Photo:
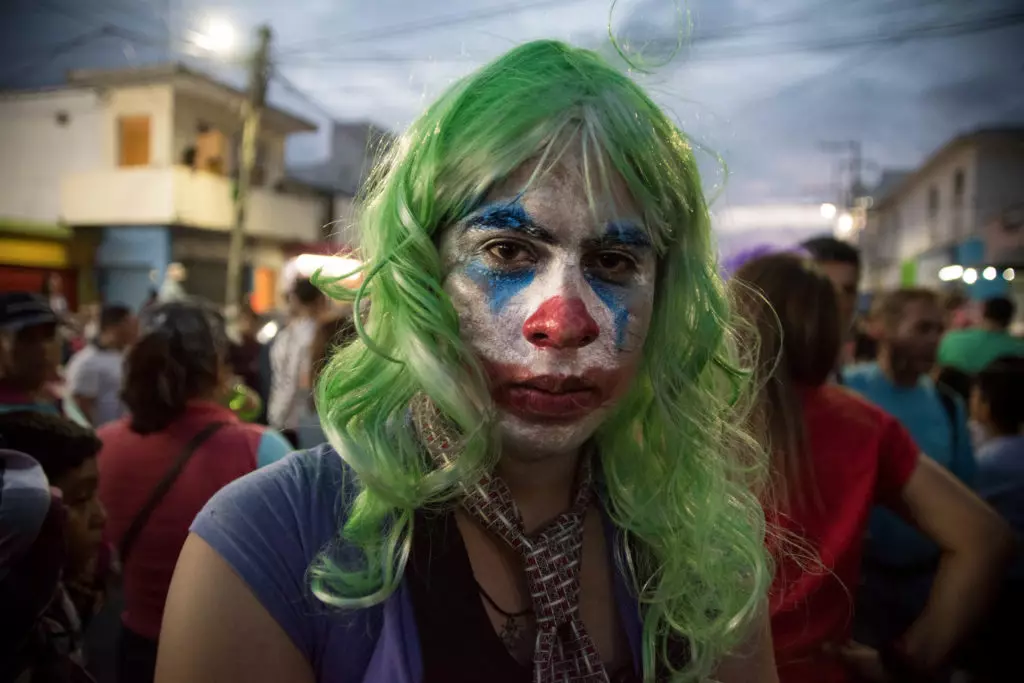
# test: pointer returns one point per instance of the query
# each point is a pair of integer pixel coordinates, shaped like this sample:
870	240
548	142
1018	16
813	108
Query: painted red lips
550	398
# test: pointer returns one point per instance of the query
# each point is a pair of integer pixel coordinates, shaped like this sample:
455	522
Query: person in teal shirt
899	562
972	350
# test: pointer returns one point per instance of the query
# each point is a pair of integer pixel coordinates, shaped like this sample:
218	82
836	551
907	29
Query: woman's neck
542	487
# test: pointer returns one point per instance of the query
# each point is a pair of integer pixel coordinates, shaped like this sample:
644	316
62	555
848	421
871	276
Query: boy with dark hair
66	453
996	403
840	261
94	373
975	348
997	406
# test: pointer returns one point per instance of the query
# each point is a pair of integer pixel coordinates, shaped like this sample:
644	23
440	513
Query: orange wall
264	290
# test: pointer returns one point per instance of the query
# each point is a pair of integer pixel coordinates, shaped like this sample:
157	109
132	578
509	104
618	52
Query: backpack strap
161	489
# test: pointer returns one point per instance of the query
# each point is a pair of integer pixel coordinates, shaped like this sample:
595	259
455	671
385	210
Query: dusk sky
760	83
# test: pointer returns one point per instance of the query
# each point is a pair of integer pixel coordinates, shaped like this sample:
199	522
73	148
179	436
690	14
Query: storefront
30	252
130	263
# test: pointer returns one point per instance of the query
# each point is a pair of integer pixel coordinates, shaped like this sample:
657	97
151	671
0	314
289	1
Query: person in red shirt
834	456
181	439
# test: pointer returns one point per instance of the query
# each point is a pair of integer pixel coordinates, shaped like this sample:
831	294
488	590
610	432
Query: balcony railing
177	195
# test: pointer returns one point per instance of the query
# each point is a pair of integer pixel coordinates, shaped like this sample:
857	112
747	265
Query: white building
954	213
355	148
119	173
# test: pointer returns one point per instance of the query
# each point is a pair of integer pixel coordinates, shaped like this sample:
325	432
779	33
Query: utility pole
252	112
855	165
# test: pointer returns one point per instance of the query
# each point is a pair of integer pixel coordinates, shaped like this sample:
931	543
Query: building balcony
177	195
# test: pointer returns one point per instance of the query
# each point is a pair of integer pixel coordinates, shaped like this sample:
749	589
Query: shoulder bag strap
165	484
949	405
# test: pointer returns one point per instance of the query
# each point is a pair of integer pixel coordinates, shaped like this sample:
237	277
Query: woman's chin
536	437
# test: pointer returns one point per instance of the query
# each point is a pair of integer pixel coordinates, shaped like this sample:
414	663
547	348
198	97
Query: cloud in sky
745	84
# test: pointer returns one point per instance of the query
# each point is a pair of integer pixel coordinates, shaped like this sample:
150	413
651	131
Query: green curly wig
681	477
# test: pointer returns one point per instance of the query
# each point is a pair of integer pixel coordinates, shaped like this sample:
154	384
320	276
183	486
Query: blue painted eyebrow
624	234
508	215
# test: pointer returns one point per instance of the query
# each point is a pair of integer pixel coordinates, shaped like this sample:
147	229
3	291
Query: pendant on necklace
511	633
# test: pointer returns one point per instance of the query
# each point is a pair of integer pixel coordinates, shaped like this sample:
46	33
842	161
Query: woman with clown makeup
536	468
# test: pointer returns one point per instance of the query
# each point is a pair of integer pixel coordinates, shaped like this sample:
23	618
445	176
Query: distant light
844	226
951	273
329	266
218	35
989	273
828	211
1008	274
970	276
267	332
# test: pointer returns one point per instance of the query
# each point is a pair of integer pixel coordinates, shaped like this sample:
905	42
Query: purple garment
270	525
734	262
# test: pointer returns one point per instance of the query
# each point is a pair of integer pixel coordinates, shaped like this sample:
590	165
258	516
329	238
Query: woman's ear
225	379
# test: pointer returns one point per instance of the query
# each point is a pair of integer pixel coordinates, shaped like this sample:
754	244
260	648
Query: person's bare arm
215	629
976	545
754	661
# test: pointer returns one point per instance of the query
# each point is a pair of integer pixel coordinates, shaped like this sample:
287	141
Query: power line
58	50
722	33
428	24
931	31
165	42
288	85
982	24
74	13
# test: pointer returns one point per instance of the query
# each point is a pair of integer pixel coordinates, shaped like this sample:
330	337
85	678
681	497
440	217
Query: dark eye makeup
617	267
509	253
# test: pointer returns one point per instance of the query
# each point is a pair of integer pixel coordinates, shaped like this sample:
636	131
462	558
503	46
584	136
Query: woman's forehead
566	194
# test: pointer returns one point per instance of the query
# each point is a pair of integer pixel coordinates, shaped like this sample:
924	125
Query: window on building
933	202
958	187
133	140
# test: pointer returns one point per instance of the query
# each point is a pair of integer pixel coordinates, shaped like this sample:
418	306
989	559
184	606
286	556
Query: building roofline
41	91
169	72
943	152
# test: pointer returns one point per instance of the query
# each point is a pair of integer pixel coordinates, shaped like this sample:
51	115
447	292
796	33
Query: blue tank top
270	525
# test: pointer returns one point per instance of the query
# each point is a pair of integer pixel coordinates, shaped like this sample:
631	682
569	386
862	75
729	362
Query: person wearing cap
29	352
177	382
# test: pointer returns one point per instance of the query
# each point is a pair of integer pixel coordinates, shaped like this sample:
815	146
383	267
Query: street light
217	35
828	211
989	273
970	276
844	226
951	273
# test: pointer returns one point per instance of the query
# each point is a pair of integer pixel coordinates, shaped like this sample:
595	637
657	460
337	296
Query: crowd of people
565	448
167	383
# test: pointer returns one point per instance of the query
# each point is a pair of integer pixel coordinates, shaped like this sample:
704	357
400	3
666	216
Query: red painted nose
561	324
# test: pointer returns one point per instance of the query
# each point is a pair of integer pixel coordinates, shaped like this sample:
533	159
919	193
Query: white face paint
554	299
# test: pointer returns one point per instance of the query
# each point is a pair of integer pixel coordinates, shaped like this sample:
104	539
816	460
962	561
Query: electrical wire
727	32
277	77
166	41
56	51
424	25
995	21
76	14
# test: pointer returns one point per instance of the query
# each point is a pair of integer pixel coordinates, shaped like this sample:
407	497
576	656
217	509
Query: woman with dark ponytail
178	446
